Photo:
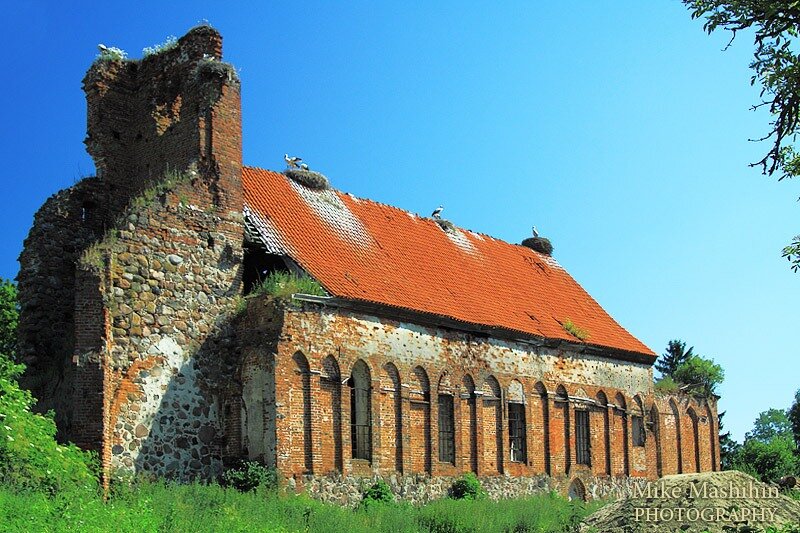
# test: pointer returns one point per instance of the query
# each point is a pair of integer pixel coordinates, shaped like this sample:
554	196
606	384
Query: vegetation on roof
308	178
446	225
112	53
168	44
282	285
577	332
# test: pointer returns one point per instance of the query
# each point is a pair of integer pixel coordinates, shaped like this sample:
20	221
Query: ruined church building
434	350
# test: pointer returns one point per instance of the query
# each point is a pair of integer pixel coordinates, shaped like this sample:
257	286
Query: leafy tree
9	317
699	375
728	448
770	424
675	356
794	418
768	461
776	68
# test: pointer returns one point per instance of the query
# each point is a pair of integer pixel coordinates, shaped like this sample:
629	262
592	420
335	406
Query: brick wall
420	362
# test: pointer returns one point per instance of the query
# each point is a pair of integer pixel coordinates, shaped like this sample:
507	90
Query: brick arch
491	387
621	435
300	424
330	411
360	384
445	384
604	422
392	416
655	421
419	434
516	392
540	445
713	436
492	411
256	413
676	417
469	423
694	439
561	447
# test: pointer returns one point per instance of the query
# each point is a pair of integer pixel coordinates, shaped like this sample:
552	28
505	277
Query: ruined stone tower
143	259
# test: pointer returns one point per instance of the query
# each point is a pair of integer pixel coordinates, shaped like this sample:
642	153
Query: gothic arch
300	424
602	404
563	409
330	406
360	383
695	437
420	421
713	435
492	425
392	415
623	430
469	423
654	423
542	415
678	434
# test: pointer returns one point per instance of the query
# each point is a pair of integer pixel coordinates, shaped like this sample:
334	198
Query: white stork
437	213
535	233
292	162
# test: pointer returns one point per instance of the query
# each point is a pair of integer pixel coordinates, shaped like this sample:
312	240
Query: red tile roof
366	251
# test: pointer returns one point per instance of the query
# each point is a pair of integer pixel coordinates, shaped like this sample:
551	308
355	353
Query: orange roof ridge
363	250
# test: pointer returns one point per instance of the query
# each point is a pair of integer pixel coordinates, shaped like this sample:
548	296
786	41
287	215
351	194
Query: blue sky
620	129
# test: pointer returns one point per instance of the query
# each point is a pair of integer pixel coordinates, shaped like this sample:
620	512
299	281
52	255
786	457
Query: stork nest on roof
446	225
539	244
308	178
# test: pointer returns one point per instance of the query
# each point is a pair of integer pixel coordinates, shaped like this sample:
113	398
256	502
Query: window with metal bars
360	417
637	427
582	447
447	434
516	432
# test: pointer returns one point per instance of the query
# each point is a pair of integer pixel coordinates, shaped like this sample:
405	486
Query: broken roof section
370	252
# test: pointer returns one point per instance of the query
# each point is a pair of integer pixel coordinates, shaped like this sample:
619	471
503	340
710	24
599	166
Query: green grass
162	507
282	285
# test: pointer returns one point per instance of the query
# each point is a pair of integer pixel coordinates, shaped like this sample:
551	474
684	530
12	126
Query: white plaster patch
329	208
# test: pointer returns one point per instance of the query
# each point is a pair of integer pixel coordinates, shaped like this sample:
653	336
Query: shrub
30	457
250	475
379	492
467	487
283	285
666	384
574	330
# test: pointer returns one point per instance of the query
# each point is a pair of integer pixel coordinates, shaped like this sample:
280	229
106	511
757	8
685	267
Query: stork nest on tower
539	244
308	178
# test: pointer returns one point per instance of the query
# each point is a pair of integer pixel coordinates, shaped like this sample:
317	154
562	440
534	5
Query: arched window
517	429
361	411
637	422
447	431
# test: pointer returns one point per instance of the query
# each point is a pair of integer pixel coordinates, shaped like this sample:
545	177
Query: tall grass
164	507
282	285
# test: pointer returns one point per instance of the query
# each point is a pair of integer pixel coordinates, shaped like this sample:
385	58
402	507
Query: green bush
467	487
379	492
30	457
250	475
